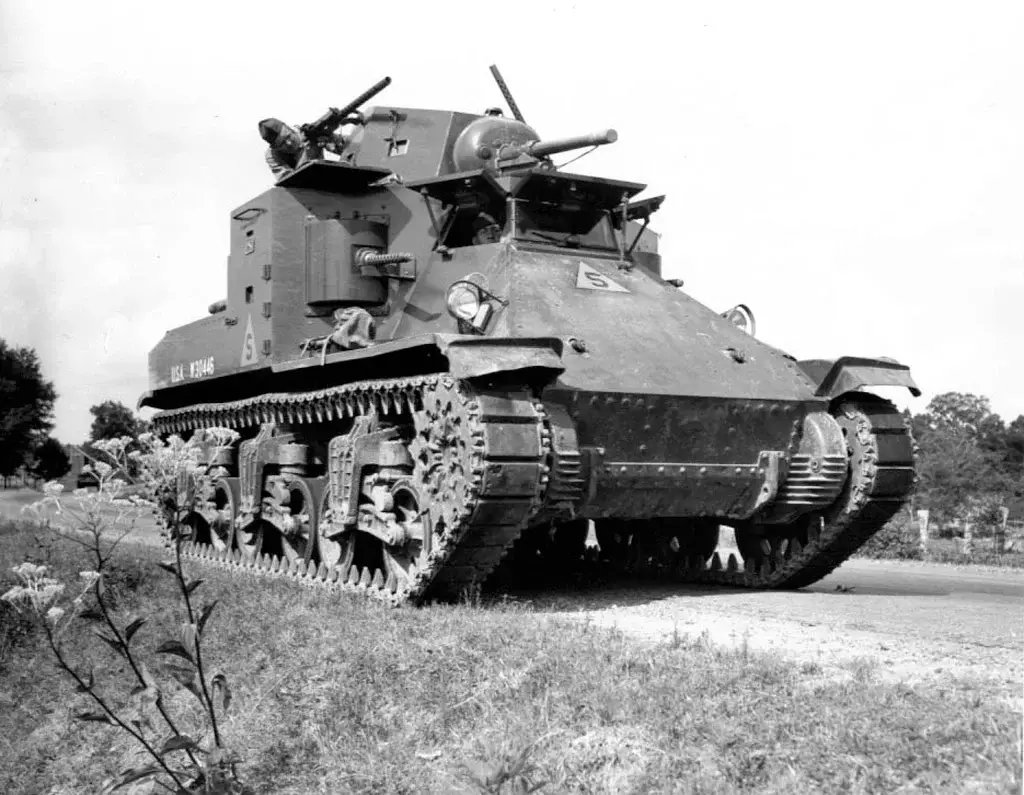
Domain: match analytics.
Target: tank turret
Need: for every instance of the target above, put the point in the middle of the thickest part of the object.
(481, 140)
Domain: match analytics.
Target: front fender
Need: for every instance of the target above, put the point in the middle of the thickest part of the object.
(470, 357)
(850, 373)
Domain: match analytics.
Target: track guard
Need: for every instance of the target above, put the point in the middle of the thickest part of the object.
(471, 357)
(851, 373)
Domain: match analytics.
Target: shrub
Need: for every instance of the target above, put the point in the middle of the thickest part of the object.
(898, 540)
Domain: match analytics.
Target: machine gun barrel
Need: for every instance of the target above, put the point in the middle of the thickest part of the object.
(335, 116)
(558, 145)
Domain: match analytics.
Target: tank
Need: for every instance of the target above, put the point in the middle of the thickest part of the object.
(440, 349)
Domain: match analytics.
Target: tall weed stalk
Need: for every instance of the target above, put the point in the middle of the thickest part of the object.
(171, 479)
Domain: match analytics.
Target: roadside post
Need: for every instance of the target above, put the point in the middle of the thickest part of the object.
(922, 524)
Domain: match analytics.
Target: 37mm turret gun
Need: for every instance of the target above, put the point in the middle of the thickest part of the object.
(555, 146)
(335, 117)
(538, 149)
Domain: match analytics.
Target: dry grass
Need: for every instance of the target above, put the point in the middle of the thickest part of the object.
(334, 695)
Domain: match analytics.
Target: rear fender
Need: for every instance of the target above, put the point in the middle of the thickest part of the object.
(851, 373)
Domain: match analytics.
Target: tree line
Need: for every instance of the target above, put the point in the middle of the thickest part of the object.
(27, 399)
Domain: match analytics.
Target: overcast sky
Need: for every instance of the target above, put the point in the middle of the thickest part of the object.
(854, 172)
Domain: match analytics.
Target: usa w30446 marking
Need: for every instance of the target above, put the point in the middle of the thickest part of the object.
(200, 368)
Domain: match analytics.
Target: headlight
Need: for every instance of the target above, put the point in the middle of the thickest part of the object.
(741, 317)
(471, 304)
(463, 301)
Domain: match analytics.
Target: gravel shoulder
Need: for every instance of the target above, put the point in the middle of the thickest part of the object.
(956, 638)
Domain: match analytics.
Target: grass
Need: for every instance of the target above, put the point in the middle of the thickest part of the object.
(14, 499)
(336, 695)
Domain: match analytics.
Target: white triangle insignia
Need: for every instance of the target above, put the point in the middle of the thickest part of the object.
(588, 278)
(248, 345)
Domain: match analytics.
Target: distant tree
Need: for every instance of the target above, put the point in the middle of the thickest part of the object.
(959, 462)
(959, 411)
(11, 460)
(112, 419)
(26, 406)
(1013, 451)
(50, 461)
(952, 469)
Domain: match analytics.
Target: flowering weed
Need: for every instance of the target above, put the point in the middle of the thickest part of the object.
(172, 477)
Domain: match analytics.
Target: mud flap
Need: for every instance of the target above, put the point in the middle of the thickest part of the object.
(850, 373)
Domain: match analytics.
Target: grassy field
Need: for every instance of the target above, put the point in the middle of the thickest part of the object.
(336, 695)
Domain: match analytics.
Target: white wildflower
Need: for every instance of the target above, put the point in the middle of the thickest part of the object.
(55, 614)
(50, 590)
(29, 571)
(18, 593)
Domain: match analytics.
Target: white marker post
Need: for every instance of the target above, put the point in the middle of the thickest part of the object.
(922, 524)
(1000, 533)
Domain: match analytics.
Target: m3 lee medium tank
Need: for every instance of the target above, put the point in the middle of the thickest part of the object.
(440, 345)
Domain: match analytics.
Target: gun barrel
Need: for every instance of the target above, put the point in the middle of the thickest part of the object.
(332, 118)
(558, 145)
(365, 97)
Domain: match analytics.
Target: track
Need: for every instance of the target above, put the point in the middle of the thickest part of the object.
(790, 556)
(480, 464)
(881, 477)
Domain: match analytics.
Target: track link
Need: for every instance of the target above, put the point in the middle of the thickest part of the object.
(481, 459)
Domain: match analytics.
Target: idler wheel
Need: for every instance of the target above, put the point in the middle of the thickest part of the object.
(402, 560)
(343, 550)
(213, 524)
(199, 527)
(334, 550)
(224, 513)
(256, 538)
(298, 536)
